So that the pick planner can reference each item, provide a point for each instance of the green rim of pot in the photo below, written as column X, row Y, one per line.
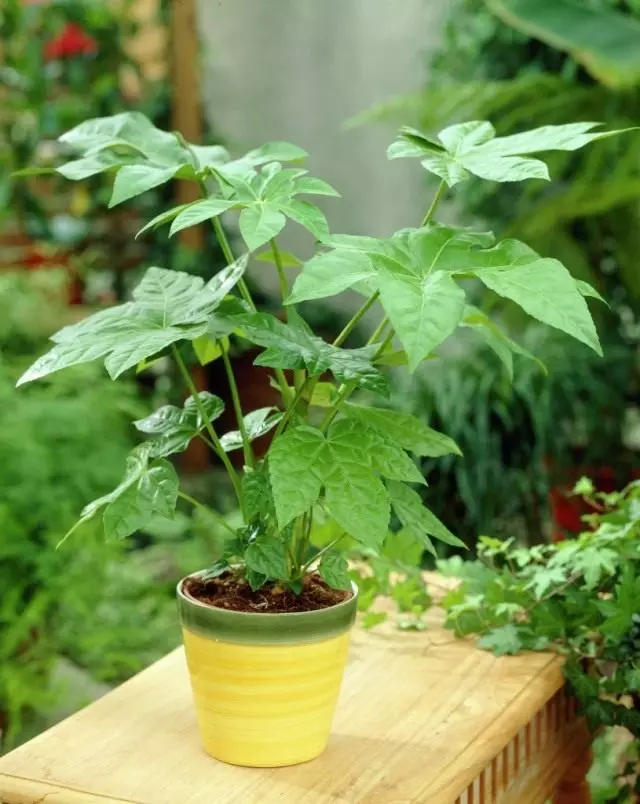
column 248, row 628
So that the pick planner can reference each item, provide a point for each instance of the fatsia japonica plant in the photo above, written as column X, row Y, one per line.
column 330, row 457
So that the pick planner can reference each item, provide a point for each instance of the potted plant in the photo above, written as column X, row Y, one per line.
column 266, row 628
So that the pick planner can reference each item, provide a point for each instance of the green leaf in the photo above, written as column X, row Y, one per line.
column 334, row 570
column 145, row 492
column 199, row 211
column 208, row 350
column 297, row 466
column 168, row 306
column 373, row 618
column 133, row 180
column 275, row 152
column 503, row 641
column 260, row 223
column 543, row 288
column 307, row 215
column 496, row 339
column 619, row 611
column 424, row 311
column 128, row 513
column 160, row 486
column 88, row 166
column 356, row 498
column 256, row 491
column 268, row 557
column 257, row 423
column 589, row 292
column 287, row 259
column 313, row 186
column 290, row 346
column 162, row 218
column 417, row 517
column 405, row 429
column 175, row 427
column 374, row 449
column 473, row 149
column 331, row 273
column 405, row 548
column 604, row 41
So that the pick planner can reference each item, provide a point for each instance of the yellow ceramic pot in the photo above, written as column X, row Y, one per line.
column 265, row 686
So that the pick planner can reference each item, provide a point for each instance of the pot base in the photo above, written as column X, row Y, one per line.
column 265, row 706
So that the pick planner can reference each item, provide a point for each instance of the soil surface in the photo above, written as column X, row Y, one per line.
column 228, row 592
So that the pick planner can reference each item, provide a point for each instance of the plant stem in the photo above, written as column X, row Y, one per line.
column 209, row 511
column 351, row 325
column 244, row 291
column 377, row 333
column 320, row 553
column 442, row 189
column 205, row 419
column 235, row 396
column 282, row 277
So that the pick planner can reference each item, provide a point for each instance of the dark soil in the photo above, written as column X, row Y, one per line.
column 228, row 592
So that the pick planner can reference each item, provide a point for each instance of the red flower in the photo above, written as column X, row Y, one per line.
column 71, row 42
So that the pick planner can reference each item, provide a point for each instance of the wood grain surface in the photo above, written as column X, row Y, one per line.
column 421, row 716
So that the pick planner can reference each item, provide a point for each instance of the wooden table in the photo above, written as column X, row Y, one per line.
column 422, row 718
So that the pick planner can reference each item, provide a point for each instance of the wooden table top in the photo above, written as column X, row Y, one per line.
column 420, row 716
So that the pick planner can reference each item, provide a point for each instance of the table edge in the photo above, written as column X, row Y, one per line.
column 23, row 790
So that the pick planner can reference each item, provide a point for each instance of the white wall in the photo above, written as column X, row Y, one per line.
column 298, row 69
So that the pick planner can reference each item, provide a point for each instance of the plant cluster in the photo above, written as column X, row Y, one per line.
column 351, row 462
column 581, row 597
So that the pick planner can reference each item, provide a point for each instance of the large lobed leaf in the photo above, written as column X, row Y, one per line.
column 472, row 148
column 168, row 306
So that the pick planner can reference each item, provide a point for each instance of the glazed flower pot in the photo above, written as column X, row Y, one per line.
column 265, row 686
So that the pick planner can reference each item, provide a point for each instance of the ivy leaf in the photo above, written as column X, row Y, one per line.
column 473, row 149
column 268, row 557
column 424, row 311
column 331, row 273
column 503, row 641
column 334, row 570
column 193, row 214
column 175, row 427
column 297, row 466
column 545, row 578
column 619, row 612
column 290, row 346
column 260, row 223
column 257, row 423
column 406, row 430
column 543, row 288
column 417, row 517
column 496, row 339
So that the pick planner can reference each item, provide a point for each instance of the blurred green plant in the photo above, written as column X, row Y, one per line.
column 519, row 438
column 580, row 597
